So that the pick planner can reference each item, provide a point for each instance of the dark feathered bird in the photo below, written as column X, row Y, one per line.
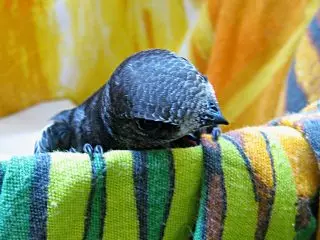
column 152, row 100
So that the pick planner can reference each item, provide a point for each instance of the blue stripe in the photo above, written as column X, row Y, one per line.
column 271, row 159
column 39, row 197
column 141, row 184
column 296, row 99
column 272, row 191
column 314, row 32
column 312, row 132
column 2, row 172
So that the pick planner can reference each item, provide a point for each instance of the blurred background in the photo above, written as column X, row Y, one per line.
column 262, row 56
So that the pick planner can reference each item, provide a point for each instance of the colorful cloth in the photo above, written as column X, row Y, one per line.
column 303, row 79
column 246, row 49
column 120, row 195
column 66, row 49
column 253, row 183
column 262, row 182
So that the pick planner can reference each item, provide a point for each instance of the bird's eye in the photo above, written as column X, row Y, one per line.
column 148, row 125
column 213, row 106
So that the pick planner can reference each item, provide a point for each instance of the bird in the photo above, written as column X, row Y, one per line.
column 153, row 99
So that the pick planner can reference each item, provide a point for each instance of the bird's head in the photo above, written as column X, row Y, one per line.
column 156, row 98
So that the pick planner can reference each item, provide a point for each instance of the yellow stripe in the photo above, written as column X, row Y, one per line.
column 242, row 209
column 284, row 209
column 255, row 148
column 121, row 216
column 68, row 192
column 203, row 34
column 188, row 170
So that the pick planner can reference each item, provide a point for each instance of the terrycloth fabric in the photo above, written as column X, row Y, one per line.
column 260, row 182
column 120, row 195
column 254, row 183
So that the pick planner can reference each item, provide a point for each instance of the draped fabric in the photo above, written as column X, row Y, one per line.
column 261, row 56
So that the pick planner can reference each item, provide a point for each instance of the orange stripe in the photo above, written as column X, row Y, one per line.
column 255, row 148
column 214, row 8
column 147, row 19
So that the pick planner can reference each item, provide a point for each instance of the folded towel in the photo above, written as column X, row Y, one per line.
column 120, row 195
column 253, row 183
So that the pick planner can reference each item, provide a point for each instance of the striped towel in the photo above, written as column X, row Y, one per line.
column 262, row 182
column 254, row 183
column 118, row 195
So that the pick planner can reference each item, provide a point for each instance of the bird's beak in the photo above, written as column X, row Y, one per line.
column 214, row 118
column 220, row 119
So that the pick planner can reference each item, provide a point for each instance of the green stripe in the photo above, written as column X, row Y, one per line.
column 15, row 199
column 284, row 210
column 242, row 209
column 307, row 231
column 188, row 164
column 96, row 217
column 68, row 192
column 121, row 216
column 158, row 187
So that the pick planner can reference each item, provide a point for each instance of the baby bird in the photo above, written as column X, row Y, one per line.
column 154, row 99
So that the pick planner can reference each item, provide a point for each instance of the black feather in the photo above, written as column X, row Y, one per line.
column 152, row 99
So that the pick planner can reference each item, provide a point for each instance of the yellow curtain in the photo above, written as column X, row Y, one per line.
column 68, row 49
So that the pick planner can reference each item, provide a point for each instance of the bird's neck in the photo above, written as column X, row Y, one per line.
column 94, row 116
column 104, row 112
